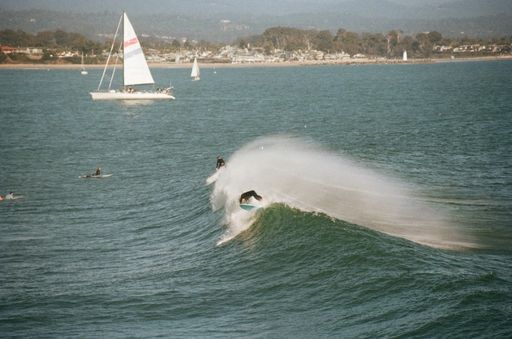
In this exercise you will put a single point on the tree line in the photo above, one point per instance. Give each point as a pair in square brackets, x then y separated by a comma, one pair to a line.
[61, 40]
[58, 39]
[391, 44]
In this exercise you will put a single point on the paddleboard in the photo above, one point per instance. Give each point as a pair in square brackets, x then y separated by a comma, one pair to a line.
[16, 197]
[101, 176]
[249, 207]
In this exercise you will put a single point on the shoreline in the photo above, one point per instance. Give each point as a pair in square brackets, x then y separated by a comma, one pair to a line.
[365, 61]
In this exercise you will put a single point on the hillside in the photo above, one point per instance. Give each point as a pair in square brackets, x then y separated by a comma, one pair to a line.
[226, 20]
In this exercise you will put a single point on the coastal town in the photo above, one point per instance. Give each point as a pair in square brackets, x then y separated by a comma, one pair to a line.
[236, 55]
[276, 46]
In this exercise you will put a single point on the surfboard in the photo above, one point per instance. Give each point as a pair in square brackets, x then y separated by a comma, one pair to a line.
[249, 207]
[13, 198]
[101, 176]
[212, 178]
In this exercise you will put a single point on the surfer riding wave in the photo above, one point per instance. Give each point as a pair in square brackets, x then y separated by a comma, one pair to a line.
[287, 170]
[244, 197]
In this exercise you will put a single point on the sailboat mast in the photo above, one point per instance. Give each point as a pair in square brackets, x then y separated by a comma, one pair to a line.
[121, 45]
[115, 64]
[110, 53]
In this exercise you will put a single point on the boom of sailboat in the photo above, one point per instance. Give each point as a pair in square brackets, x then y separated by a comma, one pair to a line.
[135, 71]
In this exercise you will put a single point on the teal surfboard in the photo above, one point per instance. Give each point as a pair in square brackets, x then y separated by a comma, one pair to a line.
[249, 207]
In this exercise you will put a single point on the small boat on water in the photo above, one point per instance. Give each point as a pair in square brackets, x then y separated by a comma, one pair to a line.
[135, 71]
[83, 71]
[195, 74]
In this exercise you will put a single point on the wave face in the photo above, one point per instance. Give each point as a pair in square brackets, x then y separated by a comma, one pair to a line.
[303, 175]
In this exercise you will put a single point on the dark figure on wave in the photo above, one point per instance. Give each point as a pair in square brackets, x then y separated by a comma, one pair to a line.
[249, 194]
[220, 162]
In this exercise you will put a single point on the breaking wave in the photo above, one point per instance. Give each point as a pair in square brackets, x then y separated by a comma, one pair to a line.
[303, 175]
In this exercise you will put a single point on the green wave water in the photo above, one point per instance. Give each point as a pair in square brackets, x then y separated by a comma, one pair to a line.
[358, 165]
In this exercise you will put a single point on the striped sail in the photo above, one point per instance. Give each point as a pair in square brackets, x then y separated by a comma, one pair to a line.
[136, 70]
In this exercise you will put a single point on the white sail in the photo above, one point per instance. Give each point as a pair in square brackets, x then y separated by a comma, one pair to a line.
[195, 70]
[136, 70]
[404, 56]
[83, 71]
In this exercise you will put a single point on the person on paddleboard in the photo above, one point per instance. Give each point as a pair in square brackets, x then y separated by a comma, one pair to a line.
[220, 162]
[244, 197]
[9, 196]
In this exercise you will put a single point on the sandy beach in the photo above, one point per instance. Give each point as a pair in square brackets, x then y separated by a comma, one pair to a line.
[363, 61]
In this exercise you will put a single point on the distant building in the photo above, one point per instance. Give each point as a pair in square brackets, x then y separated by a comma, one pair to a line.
[7, 49]
[22, 50]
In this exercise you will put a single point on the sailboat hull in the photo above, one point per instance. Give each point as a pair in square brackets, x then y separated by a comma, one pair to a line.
[114, 95]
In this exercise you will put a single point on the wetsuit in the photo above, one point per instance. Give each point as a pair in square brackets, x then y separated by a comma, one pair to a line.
[246, 195]
[220, 163]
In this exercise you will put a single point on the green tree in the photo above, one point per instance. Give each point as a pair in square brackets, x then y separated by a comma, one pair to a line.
[374, 44]
[289, 39]
[424, 45]
[435, 37]
[324, 41]
[347, 41]
[16, 38]
[242, 43]
[406, 44]
[46, 39]
[61, 38]
[175, 45]
[393, 38]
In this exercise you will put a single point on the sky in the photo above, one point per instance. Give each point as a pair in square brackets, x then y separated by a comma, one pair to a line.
[256, 7]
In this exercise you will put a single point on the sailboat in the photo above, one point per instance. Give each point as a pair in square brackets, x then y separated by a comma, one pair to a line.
[135, 71]
[404, 56]
[83, 71]
[195, 71]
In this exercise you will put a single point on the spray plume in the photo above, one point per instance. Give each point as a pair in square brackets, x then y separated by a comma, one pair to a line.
[302, 175]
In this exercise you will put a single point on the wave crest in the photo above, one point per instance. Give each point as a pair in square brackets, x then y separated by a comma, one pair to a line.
[302, 175]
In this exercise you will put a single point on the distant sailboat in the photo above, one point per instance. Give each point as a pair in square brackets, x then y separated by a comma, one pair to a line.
[195, 74]
[83, 71]
[404, 56]
[135, 71]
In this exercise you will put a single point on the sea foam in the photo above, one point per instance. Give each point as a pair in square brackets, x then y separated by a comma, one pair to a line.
[303, 175]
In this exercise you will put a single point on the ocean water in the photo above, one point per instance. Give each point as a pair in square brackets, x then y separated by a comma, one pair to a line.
[387, 194]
